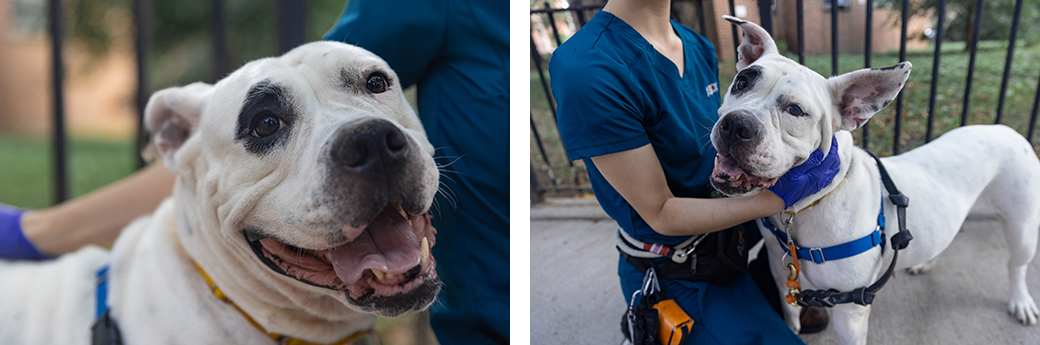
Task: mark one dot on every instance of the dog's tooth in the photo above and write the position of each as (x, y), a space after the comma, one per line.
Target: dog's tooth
(401, 210)
(716, 160)
(734, 178)
(328, 255)
(425, 248)
(379, 274)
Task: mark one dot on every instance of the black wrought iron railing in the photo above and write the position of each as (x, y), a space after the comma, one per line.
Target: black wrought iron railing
(549, 174)
(291, 15)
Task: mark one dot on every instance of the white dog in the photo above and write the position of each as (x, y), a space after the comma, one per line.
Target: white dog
(303, 181)
(777, 112)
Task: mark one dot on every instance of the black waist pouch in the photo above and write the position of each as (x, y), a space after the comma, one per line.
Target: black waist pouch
(718, 259)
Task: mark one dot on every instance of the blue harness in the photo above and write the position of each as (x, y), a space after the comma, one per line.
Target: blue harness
(105, 330)
(838, 251)
(864, 295)
(102, 292)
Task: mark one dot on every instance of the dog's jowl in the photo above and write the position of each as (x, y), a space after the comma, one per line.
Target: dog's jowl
(299, 212)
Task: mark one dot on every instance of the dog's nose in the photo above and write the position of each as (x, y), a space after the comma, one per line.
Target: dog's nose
(372, 144)
(735, 129)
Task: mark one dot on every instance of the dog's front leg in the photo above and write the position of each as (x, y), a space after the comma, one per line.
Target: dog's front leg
(850, 322)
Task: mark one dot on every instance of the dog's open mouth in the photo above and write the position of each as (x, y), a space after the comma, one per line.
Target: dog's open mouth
(729, 178)
(390, 259)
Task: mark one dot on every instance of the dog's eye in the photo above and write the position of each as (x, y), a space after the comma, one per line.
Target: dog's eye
(795, 110)
(266, 125)
(377, 83)
(741, 83)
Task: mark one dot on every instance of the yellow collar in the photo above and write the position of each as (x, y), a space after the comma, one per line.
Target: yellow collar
(278, 337)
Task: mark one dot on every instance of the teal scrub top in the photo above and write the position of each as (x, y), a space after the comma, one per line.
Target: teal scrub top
(615, 92)
(457, 53)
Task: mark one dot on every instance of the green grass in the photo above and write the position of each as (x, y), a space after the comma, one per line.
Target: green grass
(953, 69)
(26, 168)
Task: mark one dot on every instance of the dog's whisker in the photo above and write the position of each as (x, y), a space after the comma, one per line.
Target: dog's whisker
(452, 162)
(448, 195)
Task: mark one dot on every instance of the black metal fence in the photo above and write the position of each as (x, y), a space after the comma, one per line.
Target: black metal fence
(290, 27)
(541, 159)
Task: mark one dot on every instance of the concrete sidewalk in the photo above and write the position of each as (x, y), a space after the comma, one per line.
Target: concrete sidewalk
(576, 298)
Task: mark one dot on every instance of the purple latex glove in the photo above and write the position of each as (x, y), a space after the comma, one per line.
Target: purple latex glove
(13, 244)
(809, 177)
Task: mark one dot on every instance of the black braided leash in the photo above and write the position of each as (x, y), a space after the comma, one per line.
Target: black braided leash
(865, 295)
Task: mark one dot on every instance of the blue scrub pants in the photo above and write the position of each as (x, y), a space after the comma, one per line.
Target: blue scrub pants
(734, 313)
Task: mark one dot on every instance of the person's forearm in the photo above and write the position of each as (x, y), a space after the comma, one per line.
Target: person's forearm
(688, 216)
(637, 175)
(97, 218)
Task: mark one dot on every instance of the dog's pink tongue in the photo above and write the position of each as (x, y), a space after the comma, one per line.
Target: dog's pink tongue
(727, 166)
(388, 244)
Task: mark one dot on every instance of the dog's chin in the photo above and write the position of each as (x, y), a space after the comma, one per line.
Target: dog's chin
(731, 179)
(410, 299)
(386, 270)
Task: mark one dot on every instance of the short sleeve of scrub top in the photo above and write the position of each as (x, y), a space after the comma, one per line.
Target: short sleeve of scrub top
(615, 92)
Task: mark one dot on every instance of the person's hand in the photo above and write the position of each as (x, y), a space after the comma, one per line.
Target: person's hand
(13, 243)
(809, 177)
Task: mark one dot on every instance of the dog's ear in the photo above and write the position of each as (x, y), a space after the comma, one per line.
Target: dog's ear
(170, 117)
(753, 44)
(861, 94)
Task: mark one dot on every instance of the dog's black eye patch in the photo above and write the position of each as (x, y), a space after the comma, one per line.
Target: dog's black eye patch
(266, 117)
(745, 80)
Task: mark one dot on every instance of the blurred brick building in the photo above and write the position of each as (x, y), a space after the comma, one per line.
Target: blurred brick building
(817, 21)
(99, 90)
(783, 24)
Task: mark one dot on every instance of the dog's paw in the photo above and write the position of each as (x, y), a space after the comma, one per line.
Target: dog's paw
(1025, 310)
(921, 268)
(791, 317)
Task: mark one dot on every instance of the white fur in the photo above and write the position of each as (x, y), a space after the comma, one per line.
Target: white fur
(156, 294)
(973, 168)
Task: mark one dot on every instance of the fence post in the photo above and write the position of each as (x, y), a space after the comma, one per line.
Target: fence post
(941, 14)
(971, 62)
(733, 29)
(541, 149)
(219, 42)
(700, 17)
(291, 29)
(801, 32)
(1032, 118)
(140, 13)
(834, 37)
(1007, 61)
(898, 128)
(866, 62)
(57, 74)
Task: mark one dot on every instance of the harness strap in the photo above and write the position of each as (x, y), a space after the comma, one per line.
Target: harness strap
(865, 295)
(835, 252)
(105, 330)
(102, 292)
